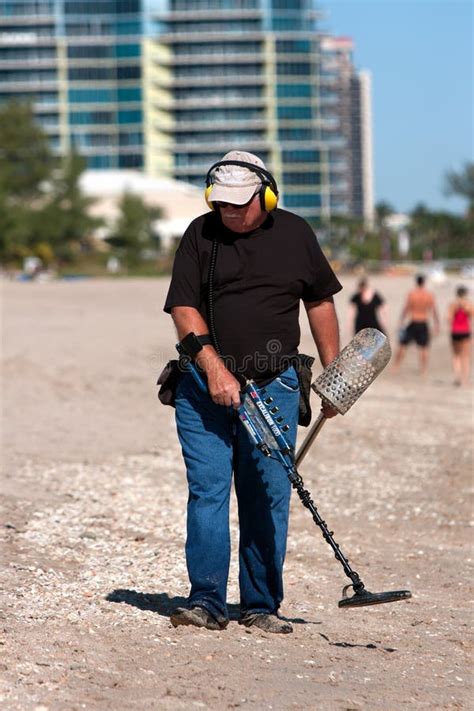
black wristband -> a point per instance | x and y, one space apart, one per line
192 344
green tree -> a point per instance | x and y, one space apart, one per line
42 209
133 233
64 221
383 210
462 184
26 164
26 160
446 235
344 234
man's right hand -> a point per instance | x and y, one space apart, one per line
224 388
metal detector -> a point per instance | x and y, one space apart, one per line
341 384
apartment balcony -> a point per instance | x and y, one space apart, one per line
236 80
205 102
339 167
222 145
329 81
25 39
45 107
211 35
197 172
208 14
339 188
34 85
219 125
46 63
221 58
28 20
51 128
329 100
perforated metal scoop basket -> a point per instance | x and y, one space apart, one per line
343 381
357 366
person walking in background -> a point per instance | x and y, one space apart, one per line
367 309
419 307
460 313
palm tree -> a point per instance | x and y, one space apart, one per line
462 184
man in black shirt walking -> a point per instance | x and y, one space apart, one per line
238 277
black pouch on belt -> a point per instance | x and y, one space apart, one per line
168 380
303 364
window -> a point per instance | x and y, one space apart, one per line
134 160
293 68
301 156
285 91
294 112
129 116
93 96
127 50
295 134
309 178
128 72
91 73
129 94
89 51
99 161
303 200
84 118
134 138
293 46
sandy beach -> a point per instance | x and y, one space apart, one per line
93 525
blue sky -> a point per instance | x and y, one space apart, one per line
420 54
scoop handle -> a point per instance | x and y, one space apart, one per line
309 439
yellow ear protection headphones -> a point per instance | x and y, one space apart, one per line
268 192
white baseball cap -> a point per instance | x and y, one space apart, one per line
236 184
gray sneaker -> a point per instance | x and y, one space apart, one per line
197 617
267 623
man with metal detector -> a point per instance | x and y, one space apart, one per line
239 275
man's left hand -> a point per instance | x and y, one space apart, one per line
328 410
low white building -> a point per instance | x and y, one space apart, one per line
180 202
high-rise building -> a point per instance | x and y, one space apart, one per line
171 85
244 74
346 106
79 63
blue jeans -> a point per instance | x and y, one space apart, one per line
215 444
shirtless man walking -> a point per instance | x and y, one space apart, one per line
419 306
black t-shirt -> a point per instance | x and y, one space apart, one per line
259 279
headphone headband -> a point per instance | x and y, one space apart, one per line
265 175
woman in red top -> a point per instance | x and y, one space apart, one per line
460 313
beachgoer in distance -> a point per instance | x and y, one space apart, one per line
460 315
267 261
367 309
419 308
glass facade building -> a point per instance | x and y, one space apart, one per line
247 74
79 63
346 108
169 86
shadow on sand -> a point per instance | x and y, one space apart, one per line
164 605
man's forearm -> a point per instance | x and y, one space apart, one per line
188 320
324 326
224 388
